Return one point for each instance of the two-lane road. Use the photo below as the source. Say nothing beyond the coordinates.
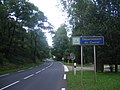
(48, 76)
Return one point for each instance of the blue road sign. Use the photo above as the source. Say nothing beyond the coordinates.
(91, 40)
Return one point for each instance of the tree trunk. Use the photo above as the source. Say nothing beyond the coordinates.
(116, 68)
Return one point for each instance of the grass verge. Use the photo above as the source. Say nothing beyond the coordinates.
(105, 81)
(10, 68)
(71, 64)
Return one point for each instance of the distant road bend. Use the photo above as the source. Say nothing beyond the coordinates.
(48, 76)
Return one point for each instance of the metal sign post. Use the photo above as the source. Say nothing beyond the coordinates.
(95, 63)
(81, 65)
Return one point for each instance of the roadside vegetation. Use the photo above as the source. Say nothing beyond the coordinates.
(90, 18)
(10, 68)
(105, 81)
(22, 39)
(78, 65)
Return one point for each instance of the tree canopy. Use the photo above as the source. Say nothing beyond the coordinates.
(21, 37)
(96, 18)
(60, 43)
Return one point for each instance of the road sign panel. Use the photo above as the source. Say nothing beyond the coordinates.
(91, 40)
(72, 56)
(76, 40)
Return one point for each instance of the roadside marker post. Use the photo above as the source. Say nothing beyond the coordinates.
(75, 69)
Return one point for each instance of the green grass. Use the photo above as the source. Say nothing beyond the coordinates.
(68, 64)
(71, 64)
(105, 81)
(10, 68)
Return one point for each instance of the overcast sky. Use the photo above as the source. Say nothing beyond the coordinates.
(53, 13)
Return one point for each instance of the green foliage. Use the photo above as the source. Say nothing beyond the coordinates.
(10, 67)
(20, 41)
(60, 43)
(96, 18)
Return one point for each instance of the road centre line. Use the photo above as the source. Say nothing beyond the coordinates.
(25, 77)
(38, 72)
(29, 76)
(10, 85)
(44, 68)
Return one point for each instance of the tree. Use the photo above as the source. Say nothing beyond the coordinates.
(90, 18)
(60, 43)
(21, 37)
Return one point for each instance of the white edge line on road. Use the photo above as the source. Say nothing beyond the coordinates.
(66, 68)
(29, 76)
(21, 70)
(4, 75)
(62, 88)
(10, 85)
(64, 77)
(31, 68)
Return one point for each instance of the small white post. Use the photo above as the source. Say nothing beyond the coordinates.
(95, 63)
(81, 65)
(74, 69)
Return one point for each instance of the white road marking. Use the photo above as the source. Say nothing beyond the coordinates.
(31, 68)
(66, 68)
(38, 72)
(25, 77)
(44, 68)
(64, 77)
(21, 70)
(62, 88)
(4, 75)
(29, 76)
(10, 85)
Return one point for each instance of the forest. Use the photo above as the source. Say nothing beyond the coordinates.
(22, 37)
(23, 41)
(91, 18)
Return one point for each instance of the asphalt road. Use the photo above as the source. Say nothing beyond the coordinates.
(48, 76)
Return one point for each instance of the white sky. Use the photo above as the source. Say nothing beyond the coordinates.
(53, 13)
